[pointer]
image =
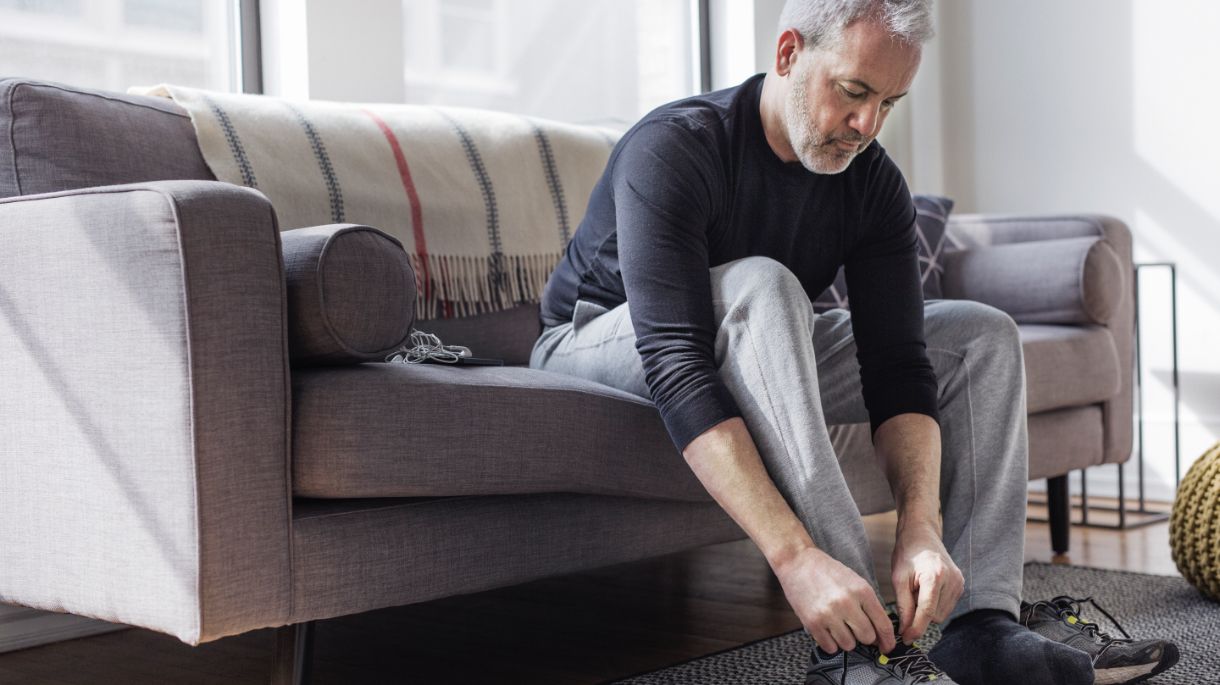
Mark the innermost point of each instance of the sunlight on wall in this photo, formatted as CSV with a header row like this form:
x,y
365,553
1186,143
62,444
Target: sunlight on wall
x,y
1175,99
1177,213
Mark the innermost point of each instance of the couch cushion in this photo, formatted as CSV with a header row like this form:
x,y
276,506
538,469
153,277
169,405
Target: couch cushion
x,y
1068,366
56,137
391,430
351,294
408,430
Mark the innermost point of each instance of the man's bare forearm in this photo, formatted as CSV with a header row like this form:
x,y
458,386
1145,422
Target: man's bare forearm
x,y
908,446
726,461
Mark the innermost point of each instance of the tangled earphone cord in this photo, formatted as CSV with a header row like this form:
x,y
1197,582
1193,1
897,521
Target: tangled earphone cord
x,y
422,347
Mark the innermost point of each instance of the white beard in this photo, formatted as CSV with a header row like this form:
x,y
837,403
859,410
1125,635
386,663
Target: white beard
x,y
807,141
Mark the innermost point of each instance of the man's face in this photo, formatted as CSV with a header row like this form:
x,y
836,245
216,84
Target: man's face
x,y
841,92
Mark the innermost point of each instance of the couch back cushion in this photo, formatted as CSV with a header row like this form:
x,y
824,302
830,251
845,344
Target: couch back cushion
x,y
57,137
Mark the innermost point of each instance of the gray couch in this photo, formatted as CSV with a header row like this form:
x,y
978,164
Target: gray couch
x,y
162,464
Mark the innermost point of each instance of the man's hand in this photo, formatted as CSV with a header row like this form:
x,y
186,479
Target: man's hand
x,y
926,581
836,605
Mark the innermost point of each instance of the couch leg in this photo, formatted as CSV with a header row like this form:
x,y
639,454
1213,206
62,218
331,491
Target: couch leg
x,y
1059,512
293,653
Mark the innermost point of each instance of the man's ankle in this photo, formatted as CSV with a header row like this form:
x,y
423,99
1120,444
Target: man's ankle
x,y
976,619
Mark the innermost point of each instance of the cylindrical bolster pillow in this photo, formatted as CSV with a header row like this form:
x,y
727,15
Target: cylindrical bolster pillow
x,y
351,294
1069,280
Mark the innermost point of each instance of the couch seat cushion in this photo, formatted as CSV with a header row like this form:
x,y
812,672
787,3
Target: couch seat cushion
x,y
1068,366
408,430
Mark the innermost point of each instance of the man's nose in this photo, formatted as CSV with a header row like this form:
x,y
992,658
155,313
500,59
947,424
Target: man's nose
x,y
866,119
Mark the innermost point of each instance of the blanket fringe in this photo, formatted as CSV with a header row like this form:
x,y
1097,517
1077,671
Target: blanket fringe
x,y
454,286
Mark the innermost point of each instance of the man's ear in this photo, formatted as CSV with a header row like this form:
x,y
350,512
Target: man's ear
x,y
787,47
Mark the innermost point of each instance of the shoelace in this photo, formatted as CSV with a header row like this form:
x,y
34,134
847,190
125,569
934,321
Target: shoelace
x,y
914,663
1071,606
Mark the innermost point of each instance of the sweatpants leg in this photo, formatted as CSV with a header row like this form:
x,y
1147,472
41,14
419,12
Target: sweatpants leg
x,y
765,325
976,353
793,373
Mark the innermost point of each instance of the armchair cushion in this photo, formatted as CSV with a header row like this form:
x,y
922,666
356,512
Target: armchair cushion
x,y
1065,281
351,294
1068,366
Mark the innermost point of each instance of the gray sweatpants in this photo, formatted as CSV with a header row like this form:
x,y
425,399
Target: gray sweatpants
x,y
794,372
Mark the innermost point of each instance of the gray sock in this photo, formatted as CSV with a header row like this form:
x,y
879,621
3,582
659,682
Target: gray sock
x,y
989,646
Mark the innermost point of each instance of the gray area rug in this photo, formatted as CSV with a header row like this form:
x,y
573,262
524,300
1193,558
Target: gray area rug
x,y
1146,605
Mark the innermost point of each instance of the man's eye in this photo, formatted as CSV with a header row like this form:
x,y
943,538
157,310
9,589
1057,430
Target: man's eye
x,y
888,104
851,93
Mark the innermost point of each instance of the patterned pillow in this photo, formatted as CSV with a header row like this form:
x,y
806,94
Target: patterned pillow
x,y
932,213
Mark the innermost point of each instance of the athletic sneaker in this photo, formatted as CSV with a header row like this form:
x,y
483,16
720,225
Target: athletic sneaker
x,y
866,665
1116,661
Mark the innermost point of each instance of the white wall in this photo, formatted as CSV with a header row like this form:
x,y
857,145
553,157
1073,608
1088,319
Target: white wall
x,y
1101,106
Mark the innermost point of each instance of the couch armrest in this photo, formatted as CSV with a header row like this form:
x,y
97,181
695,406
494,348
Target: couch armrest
x,y
971,231
144,407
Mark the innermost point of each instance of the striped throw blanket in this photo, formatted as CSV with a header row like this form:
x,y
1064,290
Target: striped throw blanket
x,y
484,202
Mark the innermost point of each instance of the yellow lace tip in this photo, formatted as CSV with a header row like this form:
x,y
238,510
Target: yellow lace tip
x,y
883,659
1072,619
931,677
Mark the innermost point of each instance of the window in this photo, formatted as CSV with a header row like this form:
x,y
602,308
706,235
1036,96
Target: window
x,y
113,44
595,61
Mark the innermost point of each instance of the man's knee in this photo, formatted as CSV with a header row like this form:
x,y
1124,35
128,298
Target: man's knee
x,y
752,283
978,325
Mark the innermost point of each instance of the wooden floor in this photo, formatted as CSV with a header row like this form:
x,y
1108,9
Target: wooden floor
x,y
582,628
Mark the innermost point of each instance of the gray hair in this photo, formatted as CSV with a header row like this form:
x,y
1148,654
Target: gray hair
x,y
822,21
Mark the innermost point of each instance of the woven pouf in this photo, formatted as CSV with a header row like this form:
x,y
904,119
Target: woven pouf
x,y
1194,525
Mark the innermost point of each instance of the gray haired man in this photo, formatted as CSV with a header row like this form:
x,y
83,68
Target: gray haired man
x,y
689,282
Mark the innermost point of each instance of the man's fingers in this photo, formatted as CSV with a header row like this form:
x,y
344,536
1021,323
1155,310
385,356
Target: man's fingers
x,y
929,596
903,594
824,640
881,624
862,628
842,635
948,598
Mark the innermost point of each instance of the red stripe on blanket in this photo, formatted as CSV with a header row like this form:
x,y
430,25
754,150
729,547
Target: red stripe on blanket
x,y
417,216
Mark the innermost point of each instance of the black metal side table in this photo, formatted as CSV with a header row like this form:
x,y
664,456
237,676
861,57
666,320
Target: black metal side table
x,y
1146,516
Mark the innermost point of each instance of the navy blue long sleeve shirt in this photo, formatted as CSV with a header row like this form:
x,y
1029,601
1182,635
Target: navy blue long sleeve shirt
x,y
694,184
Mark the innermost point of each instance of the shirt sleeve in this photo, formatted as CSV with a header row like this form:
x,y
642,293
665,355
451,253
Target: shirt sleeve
x,y
665,184
887,310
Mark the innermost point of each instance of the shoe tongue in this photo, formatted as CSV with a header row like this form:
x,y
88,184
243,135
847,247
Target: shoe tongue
x,y
903,649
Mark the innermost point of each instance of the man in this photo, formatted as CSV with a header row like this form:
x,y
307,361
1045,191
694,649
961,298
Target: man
x,y
689,282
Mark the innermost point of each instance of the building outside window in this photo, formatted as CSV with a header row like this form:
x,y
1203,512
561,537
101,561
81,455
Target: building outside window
x,y
113,44
602,62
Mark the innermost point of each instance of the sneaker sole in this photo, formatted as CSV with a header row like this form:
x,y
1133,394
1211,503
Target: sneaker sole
x,y
1128,675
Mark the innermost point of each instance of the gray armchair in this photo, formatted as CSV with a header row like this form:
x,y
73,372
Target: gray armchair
x,y
1068,283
